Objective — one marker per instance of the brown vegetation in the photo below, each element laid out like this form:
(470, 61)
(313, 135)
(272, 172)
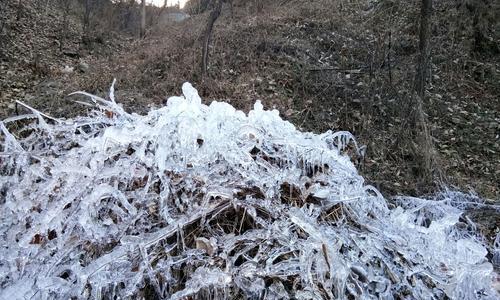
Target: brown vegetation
(324, 64)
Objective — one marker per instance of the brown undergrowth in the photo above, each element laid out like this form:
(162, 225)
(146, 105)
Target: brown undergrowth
(325, 65)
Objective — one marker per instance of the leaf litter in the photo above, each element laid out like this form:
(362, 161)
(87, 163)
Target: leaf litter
(207, 202)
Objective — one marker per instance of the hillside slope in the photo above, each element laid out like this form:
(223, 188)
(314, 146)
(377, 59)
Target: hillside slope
(324, 65)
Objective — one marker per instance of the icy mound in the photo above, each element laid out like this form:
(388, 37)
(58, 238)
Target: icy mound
(195, 201)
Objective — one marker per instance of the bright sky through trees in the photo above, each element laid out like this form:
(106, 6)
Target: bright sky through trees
(170, 2)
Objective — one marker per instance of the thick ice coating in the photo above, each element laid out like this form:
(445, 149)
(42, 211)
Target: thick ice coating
(204, 202)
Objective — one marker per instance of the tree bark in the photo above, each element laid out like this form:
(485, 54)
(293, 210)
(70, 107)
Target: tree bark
(142, 32)
(431, 171)
(423, 46)
(128, 14)
(86, 22)
(19, 10)
(64, 29)
(214, 15)
(259, 5)
(86, 16)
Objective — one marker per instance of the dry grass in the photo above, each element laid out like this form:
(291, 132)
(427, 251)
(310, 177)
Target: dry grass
(329, 65)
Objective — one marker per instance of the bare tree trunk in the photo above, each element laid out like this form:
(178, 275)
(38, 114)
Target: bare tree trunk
(19, 10)
(231, 8)
(479, 9)
(86, 15)
(214, 15)
(86, 22)
(422, 66)
(4, 33)
(128, 14)
(142, 32)
(63, 34)
(259, 5)
(430, 169)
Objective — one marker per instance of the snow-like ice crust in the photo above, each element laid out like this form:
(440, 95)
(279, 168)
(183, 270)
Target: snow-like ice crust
(209, 202)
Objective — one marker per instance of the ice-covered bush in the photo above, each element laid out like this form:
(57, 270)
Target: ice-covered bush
(196, 201)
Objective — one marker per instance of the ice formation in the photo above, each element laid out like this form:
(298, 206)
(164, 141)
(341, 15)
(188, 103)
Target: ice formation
(194, 202)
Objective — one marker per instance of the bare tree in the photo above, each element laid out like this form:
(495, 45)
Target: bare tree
(4, 33)
(86, 21)
(484, 18)
(128, 13)
(429, 167)
(423, 46)
(259, 5)
(231, 8)
(19, 10)
(63, 33)
(142, 32)
(214, 15)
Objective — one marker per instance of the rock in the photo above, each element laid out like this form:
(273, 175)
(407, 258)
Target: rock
(67, 70)
(83, 67)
